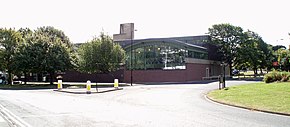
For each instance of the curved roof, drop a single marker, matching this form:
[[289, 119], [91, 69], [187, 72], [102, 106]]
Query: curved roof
[[163, 41]]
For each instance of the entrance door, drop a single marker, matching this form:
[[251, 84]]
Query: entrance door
[[207, 72]]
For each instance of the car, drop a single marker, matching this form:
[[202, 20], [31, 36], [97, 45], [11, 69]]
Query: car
[[236, 72]]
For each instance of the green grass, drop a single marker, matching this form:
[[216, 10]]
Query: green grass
[[271, 97], [28, 86], [45, 85]]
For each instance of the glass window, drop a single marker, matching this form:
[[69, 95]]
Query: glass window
[[159, 55]]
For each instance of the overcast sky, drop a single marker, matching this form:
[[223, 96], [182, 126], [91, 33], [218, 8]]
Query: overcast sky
[[83, 19]]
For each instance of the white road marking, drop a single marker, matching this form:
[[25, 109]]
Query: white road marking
[[13, 118]]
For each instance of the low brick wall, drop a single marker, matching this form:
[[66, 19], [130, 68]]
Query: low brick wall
[[193, 72], [74, 76]]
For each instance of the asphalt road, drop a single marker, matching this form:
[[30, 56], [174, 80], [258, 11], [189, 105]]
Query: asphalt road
[[141, 105]]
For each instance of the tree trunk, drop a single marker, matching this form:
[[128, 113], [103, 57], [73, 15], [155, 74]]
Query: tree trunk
[[9, 78], [51, 78], [231, 69], [25, 78], [39, 77], [255, 71], [97, 82]]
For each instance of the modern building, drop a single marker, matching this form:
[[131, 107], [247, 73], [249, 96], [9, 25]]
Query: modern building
[[173, 59]]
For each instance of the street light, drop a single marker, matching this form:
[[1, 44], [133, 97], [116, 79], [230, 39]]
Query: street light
[[224, 74], [131, 58]]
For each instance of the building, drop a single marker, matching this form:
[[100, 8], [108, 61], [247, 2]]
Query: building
[[173, 59]]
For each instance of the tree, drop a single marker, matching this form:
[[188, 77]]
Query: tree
[[54, 35], [269, 58], [9, 41], [22, 61], [283, 57], [277, 47], [100, 55], [47, 50], [253, 52], [227, 37], [51, 51]]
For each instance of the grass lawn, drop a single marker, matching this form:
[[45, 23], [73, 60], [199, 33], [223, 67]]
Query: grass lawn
[[271, 97], [45, 85], [29, 86]]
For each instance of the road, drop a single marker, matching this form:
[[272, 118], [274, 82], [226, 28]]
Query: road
[[141, 105]]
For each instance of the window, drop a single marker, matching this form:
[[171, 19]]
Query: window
[[161, 55]]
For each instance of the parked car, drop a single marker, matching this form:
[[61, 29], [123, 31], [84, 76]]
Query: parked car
[[236, 72]]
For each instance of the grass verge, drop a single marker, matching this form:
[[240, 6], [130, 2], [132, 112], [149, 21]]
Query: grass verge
[[29, 86], [273, 97]]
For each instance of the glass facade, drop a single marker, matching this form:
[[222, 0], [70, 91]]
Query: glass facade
[[161, 55]]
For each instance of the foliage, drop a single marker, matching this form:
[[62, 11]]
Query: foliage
[[285, 76], [9, 42], [22, 61], [283, 58], [277, 76], [242, 49], [100, 55], [51, 51], [227, 37], [54, 35], [277, 47], [253, 52], [46, 50]]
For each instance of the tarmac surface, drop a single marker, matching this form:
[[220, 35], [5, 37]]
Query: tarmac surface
[[3, 122], [166, 105]]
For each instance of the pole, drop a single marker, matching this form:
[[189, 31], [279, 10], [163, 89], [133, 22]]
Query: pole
[[131, 67], [224, 83]]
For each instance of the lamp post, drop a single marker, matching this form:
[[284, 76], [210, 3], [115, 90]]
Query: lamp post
[[131, 56], [224, 74], [131, 48]]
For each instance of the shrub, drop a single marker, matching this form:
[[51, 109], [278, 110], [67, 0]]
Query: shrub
[[285, 76], [277, 76]]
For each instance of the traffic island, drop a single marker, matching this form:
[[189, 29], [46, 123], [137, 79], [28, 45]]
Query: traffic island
[[270, 98], [88, 86], [84, 91]]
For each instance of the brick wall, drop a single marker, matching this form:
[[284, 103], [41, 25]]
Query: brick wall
[[193, 72], [74, 76]]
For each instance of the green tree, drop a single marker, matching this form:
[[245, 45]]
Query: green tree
[[54, 35], [100, 55], [9, 41], [227, 37], [22, 60], [269, 58], [253, 52], [52, 52], [283, 56], [277, 47]]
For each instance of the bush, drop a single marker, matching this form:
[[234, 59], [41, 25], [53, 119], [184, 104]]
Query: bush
[[285, 76], [277, 76]]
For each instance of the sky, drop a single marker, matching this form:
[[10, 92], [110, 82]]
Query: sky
[[81, 20]]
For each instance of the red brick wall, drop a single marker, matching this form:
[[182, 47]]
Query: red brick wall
[[196, 71], [74, 76], [192, 72]]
